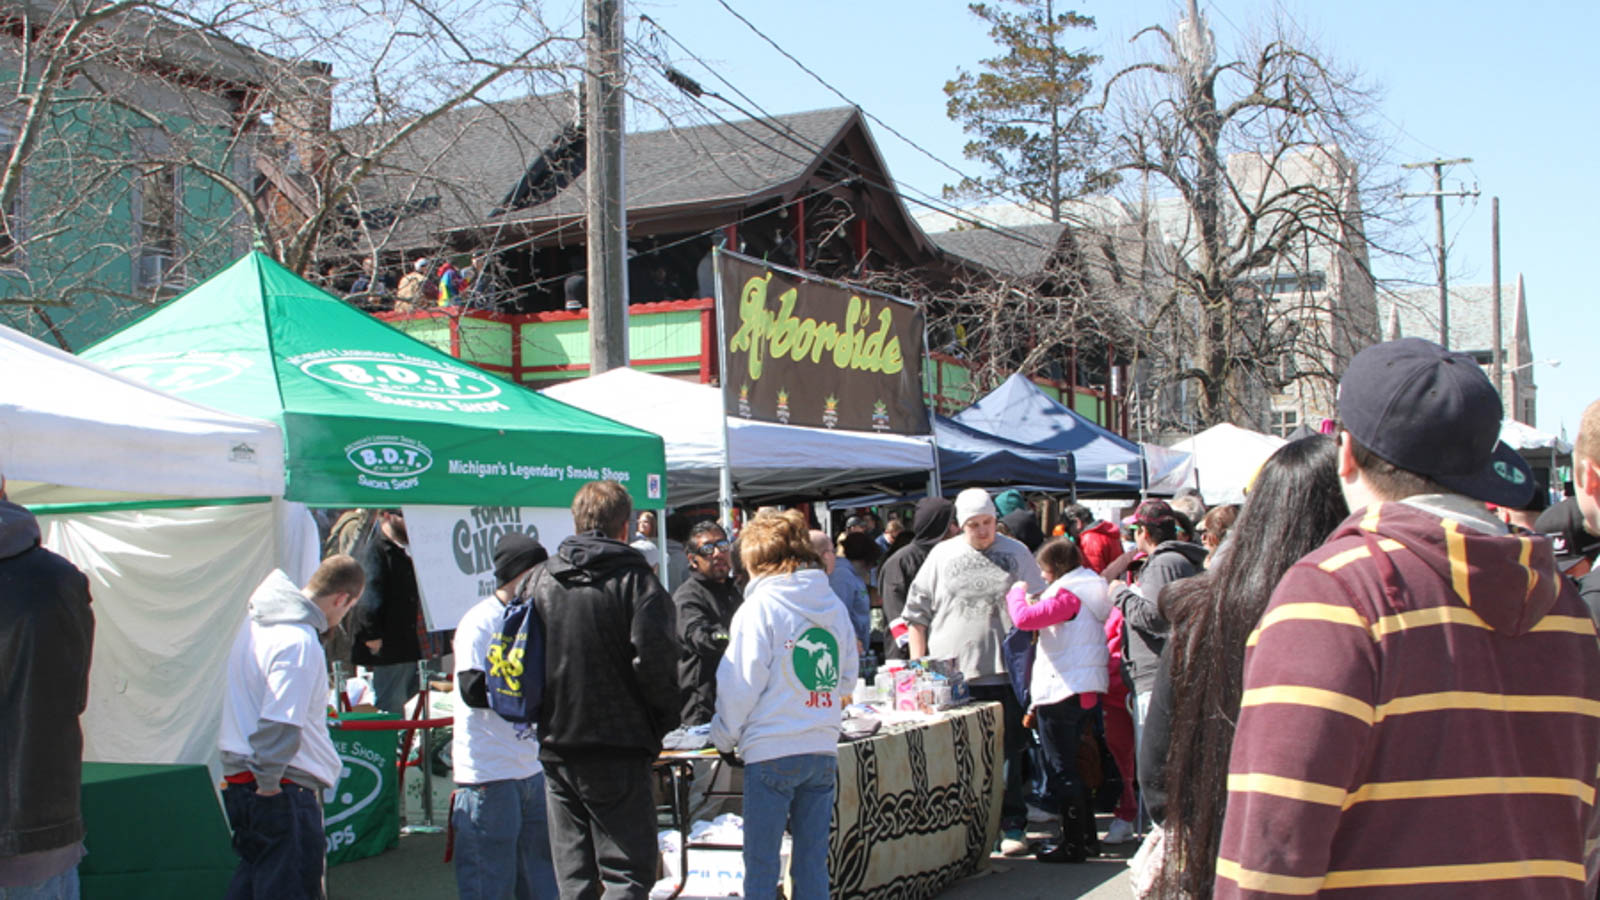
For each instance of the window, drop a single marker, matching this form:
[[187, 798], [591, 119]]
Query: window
[[158, 248], [1284, 421], [1273, 286]]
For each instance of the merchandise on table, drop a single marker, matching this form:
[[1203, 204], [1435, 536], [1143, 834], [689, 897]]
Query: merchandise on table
[[716, 859]]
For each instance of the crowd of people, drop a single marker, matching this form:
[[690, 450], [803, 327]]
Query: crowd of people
[[1363, 679]]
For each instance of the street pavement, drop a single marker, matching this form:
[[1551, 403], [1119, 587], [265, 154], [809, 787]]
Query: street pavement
[[417, 869]]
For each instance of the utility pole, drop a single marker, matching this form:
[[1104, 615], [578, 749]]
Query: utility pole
[[606, 208], [1438, 194], [1494, 231]]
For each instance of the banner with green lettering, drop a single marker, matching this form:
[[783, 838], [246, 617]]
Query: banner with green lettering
[[805, 351]]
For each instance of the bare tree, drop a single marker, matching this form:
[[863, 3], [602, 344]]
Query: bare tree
[[1267, 179], [146, 143]]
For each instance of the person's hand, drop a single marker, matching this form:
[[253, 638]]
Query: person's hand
[[731, 758], [262, 791], [375, 645], [1119, 566]]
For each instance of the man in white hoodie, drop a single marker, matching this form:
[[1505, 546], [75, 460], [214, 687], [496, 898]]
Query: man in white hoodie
[[957, 608], [276, 753], [781, 687]]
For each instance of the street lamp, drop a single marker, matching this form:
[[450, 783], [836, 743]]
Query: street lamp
[[1552, 363]]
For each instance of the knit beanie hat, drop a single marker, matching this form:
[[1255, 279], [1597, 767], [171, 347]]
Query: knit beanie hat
[[514, 554], [973, 501]]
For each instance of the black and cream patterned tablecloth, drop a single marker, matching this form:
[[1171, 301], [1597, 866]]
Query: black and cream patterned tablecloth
[[918, 806]]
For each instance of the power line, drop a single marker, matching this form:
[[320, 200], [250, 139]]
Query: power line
[[768, 120], [1375, 108], [864, 111]]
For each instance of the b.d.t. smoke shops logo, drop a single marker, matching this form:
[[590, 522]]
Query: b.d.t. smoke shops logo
[[389, 462], [783, 406], [815, 657], [830, 411], [399, 380], [180, 373], [744, 399]]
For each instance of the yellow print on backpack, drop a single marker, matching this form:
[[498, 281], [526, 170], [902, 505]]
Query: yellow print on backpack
[[506, 665]]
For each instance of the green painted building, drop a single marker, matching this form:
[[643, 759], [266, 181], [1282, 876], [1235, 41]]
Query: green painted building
[[138, 173]]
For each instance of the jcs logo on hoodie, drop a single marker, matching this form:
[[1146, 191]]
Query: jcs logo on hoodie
[[815, 657]]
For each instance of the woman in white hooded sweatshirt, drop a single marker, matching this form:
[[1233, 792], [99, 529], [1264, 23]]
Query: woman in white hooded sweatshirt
[[1069, 675], [781, 689]]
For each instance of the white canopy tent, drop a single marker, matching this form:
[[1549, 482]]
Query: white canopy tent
[[173, 511], [1225, 460], [1168, 470], [73, 432], [1530, 441], [768, 459]]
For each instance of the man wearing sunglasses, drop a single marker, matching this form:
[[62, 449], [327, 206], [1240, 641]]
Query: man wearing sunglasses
[[706, 602]]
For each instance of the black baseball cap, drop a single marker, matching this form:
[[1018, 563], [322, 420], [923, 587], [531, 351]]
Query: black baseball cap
[[1433, 412], [1563, 524]]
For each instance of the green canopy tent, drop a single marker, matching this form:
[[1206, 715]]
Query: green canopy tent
[[370, 416]]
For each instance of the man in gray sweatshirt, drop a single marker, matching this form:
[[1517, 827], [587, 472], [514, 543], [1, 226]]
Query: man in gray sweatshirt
[[276, 753], [957, 608]]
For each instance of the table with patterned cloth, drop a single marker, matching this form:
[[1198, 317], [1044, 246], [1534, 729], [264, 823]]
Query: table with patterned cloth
[[918, 805]]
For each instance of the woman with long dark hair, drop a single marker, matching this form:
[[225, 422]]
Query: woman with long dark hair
[[1293, 506]]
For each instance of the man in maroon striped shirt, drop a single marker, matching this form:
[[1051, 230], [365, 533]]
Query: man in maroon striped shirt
[[1421, 713]]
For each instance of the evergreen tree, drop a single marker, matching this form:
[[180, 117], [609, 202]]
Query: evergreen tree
[[1025, 107]]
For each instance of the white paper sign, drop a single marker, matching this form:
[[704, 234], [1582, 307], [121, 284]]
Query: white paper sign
[[452, 548]]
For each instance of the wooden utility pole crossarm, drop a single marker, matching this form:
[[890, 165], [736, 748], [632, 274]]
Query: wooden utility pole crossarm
[[1438, 194]]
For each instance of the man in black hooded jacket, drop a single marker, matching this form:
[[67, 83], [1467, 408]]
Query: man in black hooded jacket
[[931, 524], [610, 695], [46, 634]]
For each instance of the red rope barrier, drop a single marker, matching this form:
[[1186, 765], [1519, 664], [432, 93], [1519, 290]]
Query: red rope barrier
[[394, 725]]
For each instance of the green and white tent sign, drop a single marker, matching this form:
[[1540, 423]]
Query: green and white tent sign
[[372, 417]]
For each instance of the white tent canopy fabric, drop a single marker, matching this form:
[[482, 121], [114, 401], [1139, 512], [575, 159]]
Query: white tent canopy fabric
[[135, 476], [170, 589], [72, 432], [1167, 469], [1523, 438], [768, 459], [1225, 461]]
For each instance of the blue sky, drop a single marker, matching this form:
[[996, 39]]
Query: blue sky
[[1511, 88]]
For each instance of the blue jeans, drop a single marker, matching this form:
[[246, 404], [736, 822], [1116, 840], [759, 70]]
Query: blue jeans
[[280, 841], [393, 684], [502, 848], [796, 791], [57, 887]]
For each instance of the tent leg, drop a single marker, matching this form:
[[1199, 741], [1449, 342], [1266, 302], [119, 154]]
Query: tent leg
[[661, 550]]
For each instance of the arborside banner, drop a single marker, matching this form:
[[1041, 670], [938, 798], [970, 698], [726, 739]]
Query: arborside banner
[[820, 354]]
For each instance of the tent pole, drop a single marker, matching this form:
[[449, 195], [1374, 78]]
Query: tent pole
[[935, 477], [725, 477], [661, 550]]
